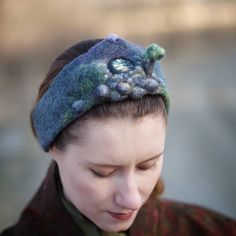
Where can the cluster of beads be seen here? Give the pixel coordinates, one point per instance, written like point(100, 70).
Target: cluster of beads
point(135, 87)
point(123, 79)
point(128, 81)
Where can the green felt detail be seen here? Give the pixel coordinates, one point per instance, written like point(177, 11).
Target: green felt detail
point(71, 99)
point(67, 116)
point(165, 95)
point(90, 77)
point(154, 52)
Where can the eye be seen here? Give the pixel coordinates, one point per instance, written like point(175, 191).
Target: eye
point(100, 174)
point(146, 167)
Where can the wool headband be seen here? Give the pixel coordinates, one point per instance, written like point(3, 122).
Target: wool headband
point(112, 70)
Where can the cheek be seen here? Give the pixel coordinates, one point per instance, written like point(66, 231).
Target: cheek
point(150, 180)
point(82, 188)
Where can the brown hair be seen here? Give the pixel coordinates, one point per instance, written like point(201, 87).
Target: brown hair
point(128, 108)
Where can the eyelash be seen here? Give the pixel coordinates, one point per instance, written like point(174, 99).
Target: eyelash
point(145, 168)
point(99, 175)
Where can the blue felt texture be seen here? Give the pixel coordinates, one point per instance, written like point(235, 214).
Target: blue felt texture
point(112, 70)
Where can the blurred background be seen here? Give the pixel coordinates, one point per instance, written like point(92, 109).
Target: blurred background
point(199, 37)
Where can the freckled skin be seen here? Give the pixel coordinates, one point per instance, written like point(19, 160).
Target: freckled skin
point(124, 143)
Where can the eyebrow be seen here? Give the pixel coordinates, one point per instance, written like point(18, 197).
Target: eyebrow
point(116, 166)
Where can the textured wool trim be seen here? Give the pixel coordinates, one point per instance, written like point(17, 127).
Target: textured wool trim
point(112, 70)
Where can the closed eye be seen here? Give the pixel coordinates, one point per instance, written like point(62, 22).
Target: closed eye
point(100, 174)
point(146, 167)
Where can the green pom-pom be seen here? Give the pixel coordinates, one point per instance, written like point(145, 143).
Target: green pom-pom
point(154, 52)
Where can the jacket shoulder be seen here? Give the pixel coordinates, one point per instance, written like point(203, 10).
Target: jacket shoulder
point(45, 215)
point(165, 217)
point(190, 219)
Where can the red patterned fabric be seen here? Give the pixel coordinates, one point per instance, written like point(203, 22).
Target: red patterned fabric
point(46, 216)
point(169, 218)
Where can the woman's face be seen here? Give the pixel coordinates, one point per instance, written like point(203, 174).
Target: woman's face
point(112, 170)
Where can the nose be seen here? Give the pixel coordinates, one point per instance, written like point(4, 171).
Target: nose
point(127, 193)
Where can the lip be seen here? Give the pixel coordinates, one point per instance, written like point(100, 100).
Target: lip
point(121, 216)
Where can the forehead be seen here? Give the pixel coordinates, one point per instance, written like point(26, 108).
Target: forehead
point(119, 140)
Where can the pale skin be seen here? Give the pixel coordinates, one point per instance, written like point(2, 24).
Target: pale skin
point(113, 168)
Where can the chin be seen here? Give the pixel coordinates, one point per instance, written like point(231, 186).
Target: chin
point(117, 227)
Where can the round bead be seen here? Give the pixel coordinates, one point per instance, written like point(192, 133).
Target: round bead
point(126, 76)
point(111, 83)
point(139, 81)
point(79, 105)
point(138, 93)
point(151, 85)
point(115, 96)
point(123, 88)
point(138, 69)
point(130, 81)
point(118, 77)
point(130, 73)
point(102, 91)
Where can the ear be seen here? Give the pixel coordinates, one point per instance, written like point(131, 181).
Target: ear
point(55, 153)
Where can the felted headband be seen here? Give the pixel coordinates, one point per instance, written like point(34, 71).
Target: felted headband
point(112, 70)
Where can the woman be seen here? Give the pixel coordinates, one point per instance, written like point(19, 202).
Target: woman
point(101, 113)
